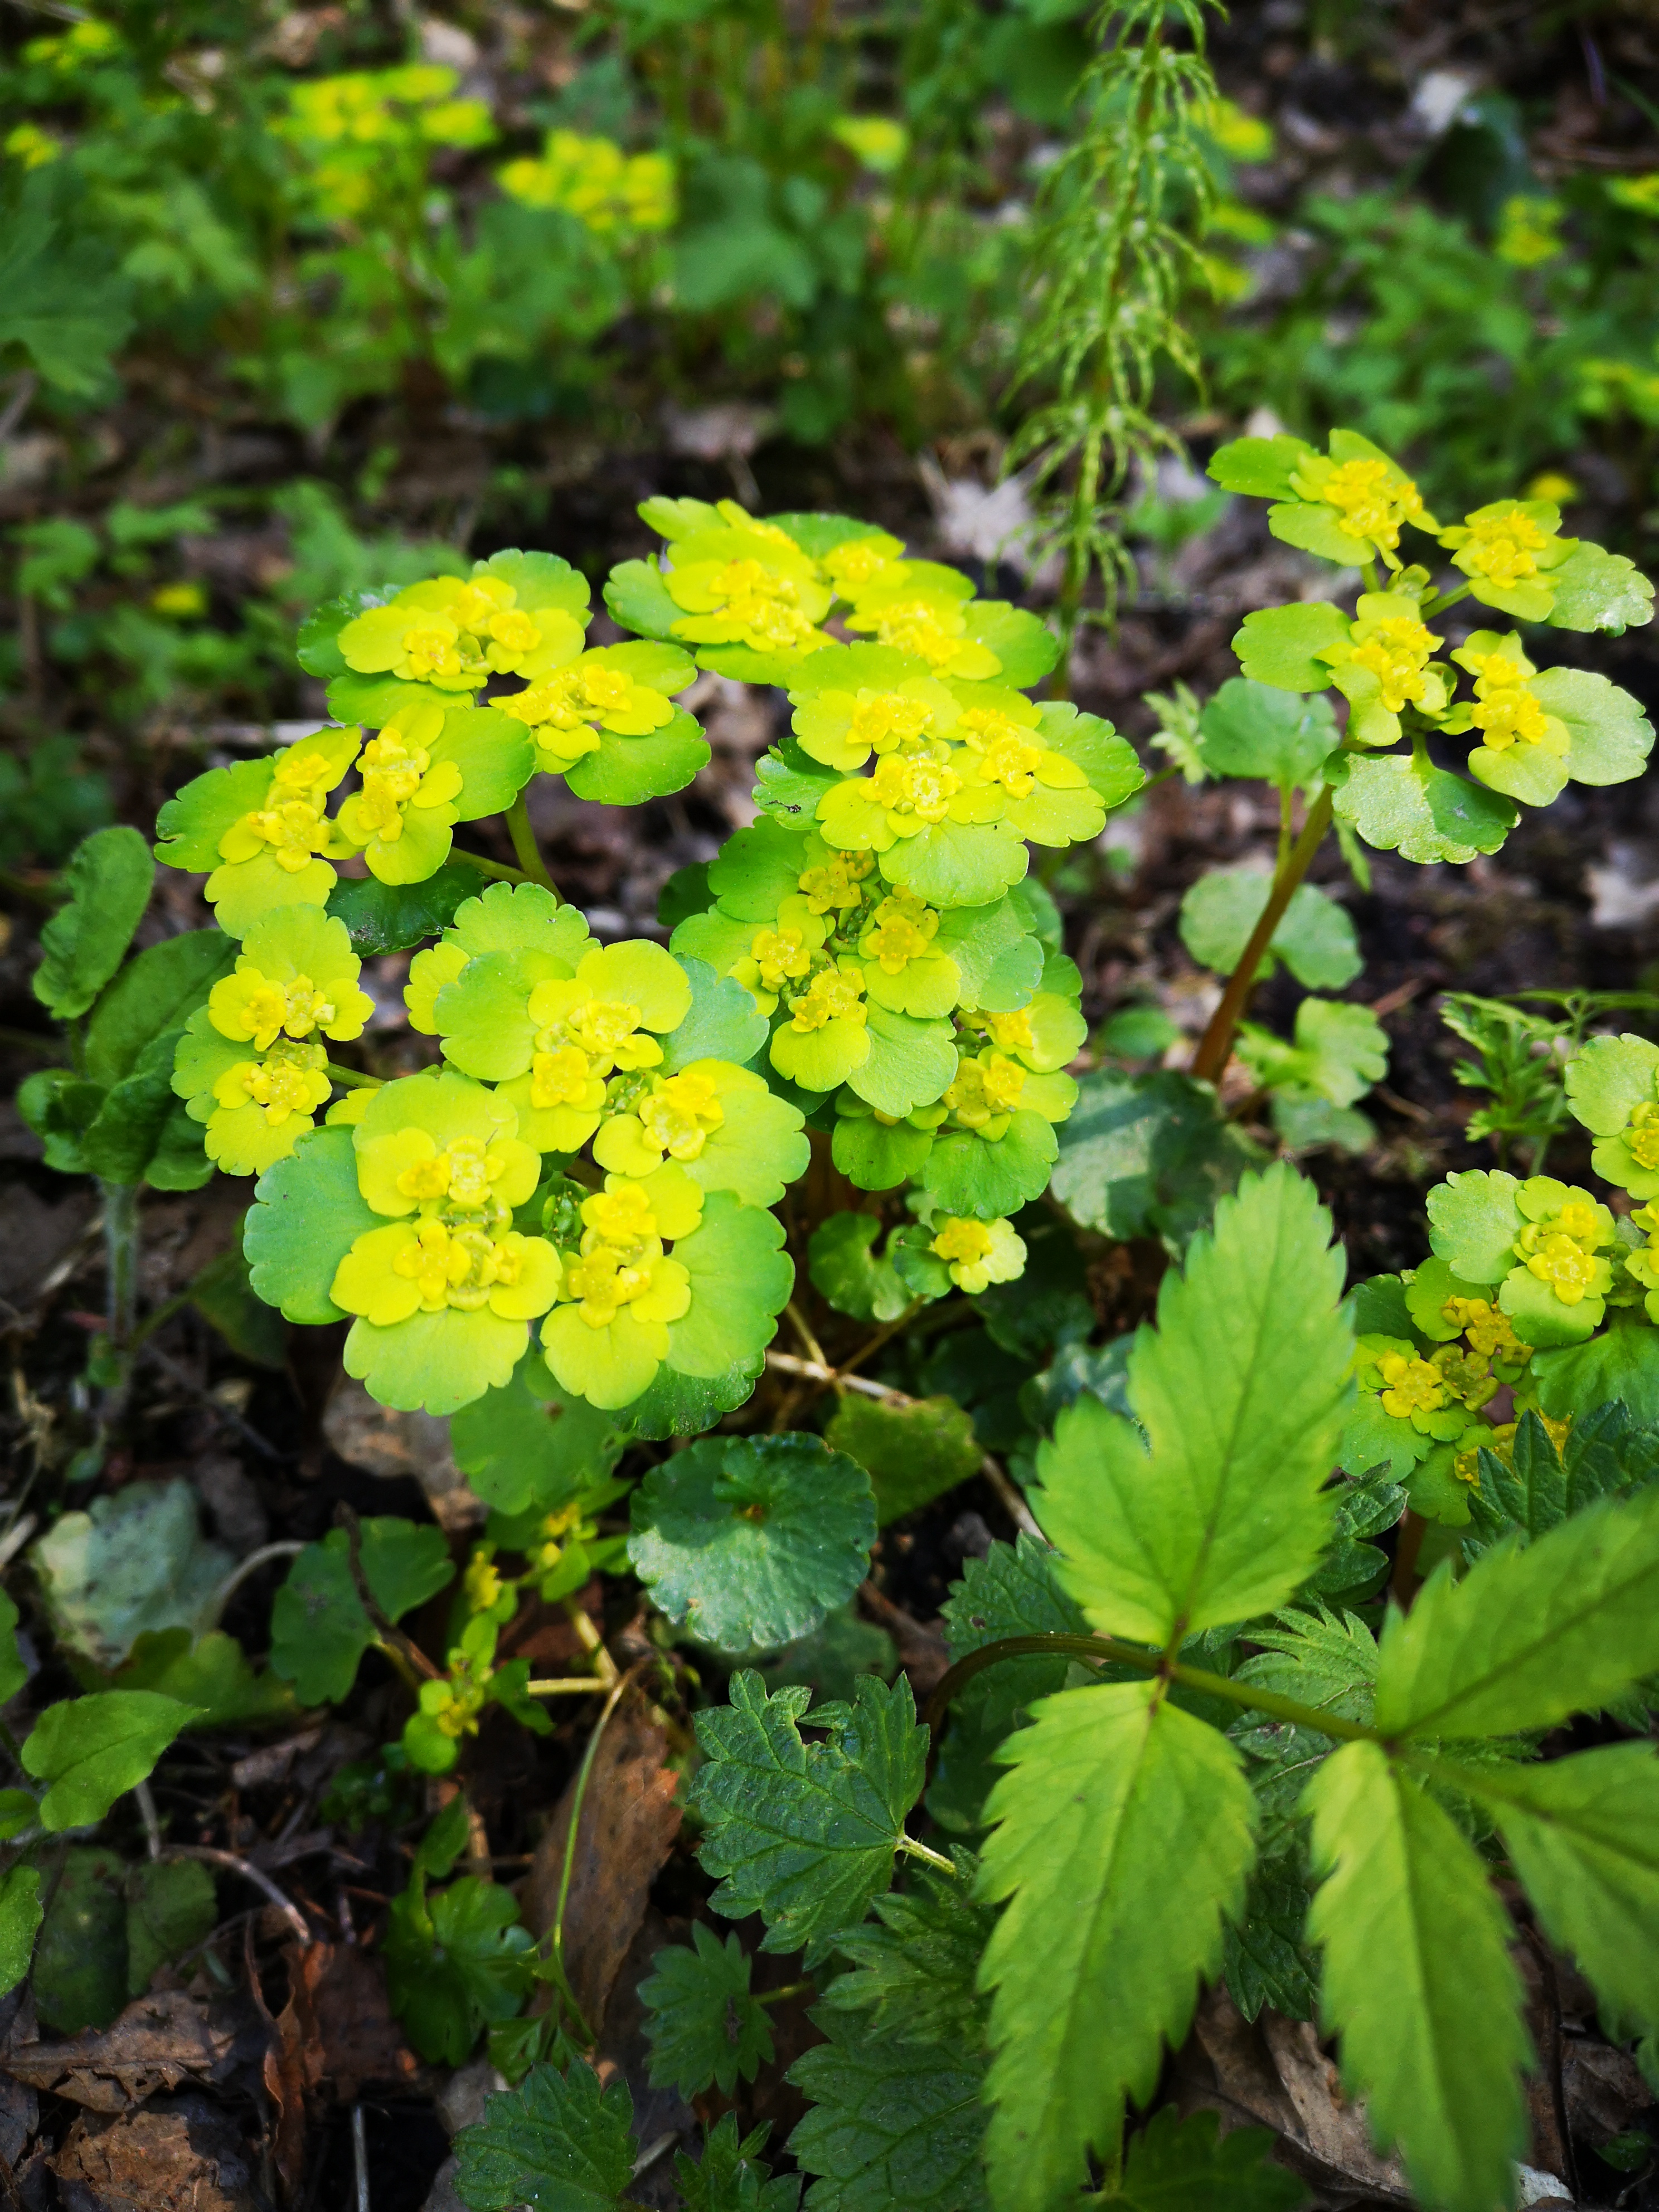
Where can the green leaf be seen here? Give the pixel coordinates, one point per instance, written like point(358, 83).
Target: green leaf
point(1528, 1636)
point(724, 1022)
point(1260, 467)
point(889, 2127)
point(152, 994)
point(1418, 1980)
point(751, 1540)
point(1263, 1959)
point(1256, 729)
point(81, 1959)
point(915, 1453)
point(67, 304)
point(1023, 643)
point(1241, 1392)
point(741, 1278)
point(134, 1560)
point(1321, 1659)
point(628, 771)
point(557, 2144)
point(1621, 1362)
point(1598, 590)
point(1611, 736)
point(846, 1272)
point(789, 784)
point(914, 1966)
point(110, 875)
point(1339, 1052)
point(1315, 939)
point(1407, 805)
point(804, 1834)
point(19, 1923)
point(171, 1907)
point(703, 2025)
point(223, 1295)
point(142, 1133)
point(214, 1675)
point(527, 1446)
point(1186, 2166)
point(1122, 1834)
point(1474, 1221)
point(911, 1063)
point(469, 1970)
point(967, 1175)
point(12, 1673)
point(60, 1109)
point(1146, 1154)
point(690, 1405)
point(1528, 1495)
point(309, 1210)
point(91, 1750)
point(1277, 644)
point(319, 1629)
point(1583, 1834)
point(638, 599)
point(391, 917)
point(731, 2177)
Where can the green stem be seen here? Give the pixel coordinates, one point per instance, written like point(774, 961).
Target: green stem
point(915, 1851)
point(1217, 1042)
point(1438, 601)
point(789, 1990)
point(1244, 1694)
point(497, 868)
point(351, 1078)
point(525, 845)
point(121, 1254)
point(556, 1935)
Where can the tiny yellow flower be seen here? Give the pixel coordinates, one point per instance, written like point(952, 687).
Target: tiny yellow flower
point(833, 995)
point(1488, 1328)
point(682, 1113)
point(984, 1089)
point(903, 928)
point(1503, 547)
point(835, 885)
point(1410, 1386)
point(978, 1253)
point(1397, 654)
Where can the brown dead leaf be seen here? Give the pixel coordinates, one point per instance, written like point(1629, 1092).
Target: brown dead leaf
point(158, 2042)
point(383, 1441)
point(1604, 2089)
point(336, 2028)
point(183, 2156)
point(630, 1820)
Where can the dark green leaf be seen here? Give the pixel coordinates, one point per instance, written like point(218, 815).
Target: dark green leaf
point(319, 1629)
point(391, 917)
point(153, 993)
point(890, 2127)
point(731, 2177)
point(557, 2144)
point(526, 1446)
point(20, 1922)
point(81, 1959)
point(110, 875)
point(1621, 1361)
point(914, 1964)
point(1146, 1156)
point(1186, 2166)
point(1263, 1957)
point(223, 1295)
point(845, 1270)
point(470, 1971)
point(915, 1453)
point(171, 1907)
point(702, 2023)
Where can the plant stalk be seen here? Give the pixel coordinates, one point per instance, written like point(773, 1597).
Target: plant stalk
point(525, 845)
point(1216, 1045)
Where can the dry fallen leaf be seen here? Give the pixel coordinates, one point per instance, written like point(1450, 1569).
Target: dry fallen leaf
point(382, 1441)
point(183, 2156)
point(158, 2042)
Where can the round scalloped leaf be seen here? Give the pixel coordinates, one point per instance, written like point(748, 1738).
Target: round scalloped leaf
point(1598, 590)
point(969, 1174)
point(1539, 1317)
point(999, 959)
point(873, 1156)
point(1432, 1285)
point(1277, 644)
point(1609, 1079)
point(758, 868)
point(1315, 938)
point(638, 599)
point(373, 700)
point(1622, 1364)
point(191, 824)
point(1255, 729)
point(741, 1278)
point(748, 1543)
point(690, 1405)
point(521, 917)
point(1373, 1439)
point(957, 863)
point(627, 771)
point(307, 1210)
point(854, 668)
point(496, 754)
point(1611, 736)
point(392, 917)
point(529, 1448)
point(758, 1151)
point(541, 579)
point(1315, 529)
point(484, 1015)
point(1260, 467)
point(818, 534)
point(745, 665)
point(1024, 644)
point(790, 785)
point(1474, 1221)
point(1423, 812)
point(1528, 772)
point(317, 648)
point(1107, 760)
point(723, 1024)
point(436, 1363)
point(910, 1064)
point(1050, 817)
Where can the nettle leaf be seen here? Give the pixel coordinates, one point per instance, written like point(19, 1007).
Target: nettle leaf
point(1256, 730)
point(457, 1963)
point(1595, 589)
point(1241, 1392)
point(751, 1540)
point(1263, 1957)
point(730, 2176)
point(1277, 644)
point(319, 1629)
point(391, 917)
point(1146, 1156)
point(889, 2126)
point(526, 1445)
point(89, 1750)
point(1621, 1362)
point(845, 1270)
point(1187, 2166)
point(1122, 1835)
point(914, 1966)
point(558, 2142)
point(1407, 805)
point(1528, 1636)
point(1418, 1979)
point(703, 2025)
point(1321, 1659)
point(110, 875)
point(1315, 939)
point(913, 1452)
point(804, 1834)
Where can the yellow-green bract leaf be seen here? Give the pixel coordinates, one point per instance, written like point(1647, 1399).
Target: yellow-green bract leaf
point(1121, 1835)
point(805, 1834)
point(915, 1453)
point(110, 876)
point(1418, 1980)
point(1423, 812)
point(1528, 1636)
point(20, 1922)
point(1241, 1391)
point(1314, 938)
point(751, 1540)
point(1612, 737)
point(638, 599)
point(90, 1750)
point(1583, 1834)
point(1277, 645)
point(309, 1209)
point(627, 771)
point(741, 1278)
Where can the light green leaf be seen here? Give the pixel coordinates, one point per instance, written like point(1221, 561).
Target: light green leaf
point(915, 1453)
point(91, 1750)
point(889, 2127)
point(703, 2025)
point(1418, 1980)
point(1277, 644)
point(19, 1923)
point(110, 875)
point(1259, 729)
point(1598, 590)
point(845, 1270)
point(724, 1022)
point(751, 1540)
point(1260, 467)
point(1314, 938)
point(1146, 1154)
point(628, 771)
point(1474, 1221)
point(638, 599)
point(1405, 804)
point(1122, 1834)
point(1528, 1636)
point(1241, 1391)
point(527, 1446)
point(309, 1210)
point(1187, 2166)
point(968, 1174)
point(911, 1063)
point(1339, 1052)
point(804, 1834)
point(1025, 645)
point(741, 1278)
point(1609, 1078)
point(212, 1674)
point(1611, 736)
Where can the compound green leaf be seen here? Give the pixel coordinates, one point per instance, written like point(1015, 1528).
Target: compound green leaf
point(1186, 2166)
point(391, 917)
point(1259, 730)
point(19, 1923)
point(558, 2142)
point(1528, 1636)
point(1146, 1154)
point(318, 1628)
point(750, 1541)
point(1277, 644)
point(90, 1750)
point(308, 1210)
point(1418, 1980)
point(1598, 590)
point(914, 1966)
point(889, 2127)
point(110, 876)
point(841, 1259)
point(1122, 1835)
point(915, 1453)
point(526, 1445)
point(152, 994)
point(703, 2025)
point(1340, 1052)
point(804, 1834)
point(1322, 1659)
point(1406, 805)
point(1241, 1391)
point(1315, 939)
point(1264, 1961)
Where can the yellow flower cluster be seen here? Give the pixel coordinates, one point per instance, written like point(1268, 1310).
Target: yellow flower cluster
point(610, 192)
point(1560, 1250)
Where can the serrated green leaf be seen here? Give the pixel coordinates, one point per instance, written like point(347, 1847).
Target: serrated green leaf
point(1418, 1980)
point(702, 2023)
point(1595, 589)
point(915, 1453)
point(558, 2143)
point(1321, 1659)
point(19, 1923)
point(1146, 1154)
point(1407, 805)
point(842, 1262)
point(1528, 1636)
point(690, 1405)
point(90, 1750)
point(1277, 644)
point(391, 917)
point(319, 1629)
point(1315, 939)
point(751, 1540)
point(466, 1968)
point(1621, 1362)
point(889, 2127)
point(1527, 1495)
point(110, 875)
point(1122, 1834)
point(1241, 1392)
point(1187, 2166)
point(1258, 729)
point(528, 1445)
point(805, 1834)
point(1263, 1960)
point(730, 2178)
point(153, 993)
point(914, 1966)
